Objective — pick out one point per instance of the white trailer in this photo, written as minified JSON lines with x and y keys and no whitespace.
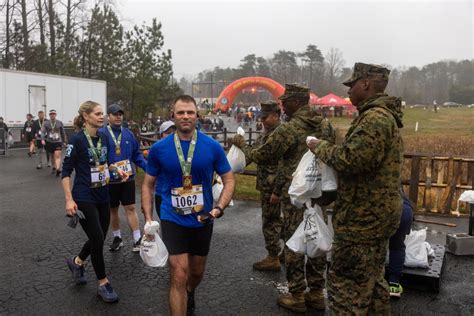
{"x":24,"y":92}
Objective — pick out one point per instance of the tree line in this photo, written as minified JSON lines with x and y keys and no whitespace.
{"x":441,"y":81}
{"x":70,"y":37}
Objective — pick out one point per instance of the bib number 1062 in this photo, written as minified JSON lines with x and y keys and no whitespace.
{"x":185,"y":201}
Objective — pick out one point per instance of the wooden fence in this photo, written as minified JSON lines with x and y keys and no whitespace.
{"x":433,"y":182}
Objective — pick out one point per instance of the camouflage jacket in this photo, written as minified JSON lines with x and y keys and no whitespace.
{"x":287,"y":144}
{"x":266,"y":172}
{"x":368,"y":163}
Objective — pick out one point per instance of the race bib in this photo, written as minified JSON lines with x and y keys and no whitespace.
{"x":100,"y":176}
{"x":126,"y":166}
{"x":54,"y":136}
{"x":28,"y":129}
{"x":186,"y":202}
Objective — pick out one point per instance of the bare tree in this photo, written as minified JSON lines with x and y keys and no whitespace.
{"x":52,"y":33}
{"x":334,"y":64}
{"x":9,"y":6}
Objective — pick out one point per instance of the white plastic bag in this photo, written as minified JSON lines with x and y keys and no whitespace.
{"x":217,"y":190}
{"x":466,"y":196}
{"x":236,"y":156}
{"x":313,"y":237}
{"x":153,"y":252}
{"x":416,"y":254}
{"x":318,"y":235}
{"x":303,"y":186}
{"x":296,"y":242}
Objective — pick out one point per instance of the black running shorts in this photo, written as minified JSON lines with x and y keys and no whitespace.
{"x":192,"y":240}
{"x":52,"y":147}
{"x":123,"y":193}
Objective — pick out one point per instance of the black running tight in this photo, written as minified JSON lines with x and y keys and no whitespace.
{"x":95,"y":226}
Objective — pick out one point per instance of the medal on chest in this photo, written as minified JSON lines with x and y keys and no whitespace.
{"x":118,"y":151}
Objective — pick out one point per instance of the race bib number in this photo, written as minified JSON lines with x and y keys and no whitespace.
{"x":126,"y":166}
{"x":100,"y":176}
{"x":55,"y":136}
{"x":28,"y":129}
{"x":187,"y":201}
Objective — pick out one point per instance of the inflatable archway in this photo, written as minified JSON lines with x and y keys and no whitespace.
{"x":226,"y":98}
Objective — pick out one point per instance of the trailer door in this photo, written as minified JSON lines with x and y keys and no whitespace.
{"x":37,"y":99}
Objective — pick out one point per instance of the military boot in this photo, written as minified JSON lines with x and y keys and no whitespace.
{"x":269,"y":263}
{"x":294,"y":302}
{"x":315,"y":299}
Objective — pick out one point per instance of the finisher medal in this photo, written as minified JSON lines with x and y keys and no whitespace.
{"x":117,"y":151}
{"x":187,"y":183}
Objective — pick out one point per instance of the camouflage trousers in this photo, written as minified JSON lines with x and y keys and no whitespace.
{"x":295,"y":263}
{"x":272,"y":223}
{"x":355,"y":280}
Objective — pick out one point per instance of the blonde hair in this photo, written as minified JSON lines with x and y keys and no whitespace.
{"x":86,"y":107}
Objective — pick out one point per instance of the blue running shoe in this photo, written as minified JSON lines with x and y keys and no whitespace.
{"x":77,"y":271}
{"x":107,"y":293}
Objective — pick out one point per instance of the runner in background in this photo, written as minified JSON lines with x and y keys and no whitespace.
{"x":37,"y":126}
{"x":124,"y":151}
{"x":54,"y":137}
{"x":28,"y":134}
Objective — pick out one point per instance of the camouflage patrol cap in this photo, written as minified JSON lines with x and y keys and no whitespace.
{"x":294,"y":91}
{"x":362,"y":70}
{"x":269,"y":107}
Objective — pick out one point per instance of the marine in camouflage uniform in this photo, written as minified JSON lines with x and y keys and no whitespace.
{"x":272,"y":220}
{"x":368,"y":204}
{"x":287,"y":145}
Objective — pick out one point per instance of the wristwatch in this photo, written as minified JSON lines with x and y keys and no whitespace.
{"x":221,"y":211}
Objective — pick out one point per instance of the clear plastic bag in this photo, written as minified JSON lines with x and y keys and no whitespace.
{"x":217,"y":190}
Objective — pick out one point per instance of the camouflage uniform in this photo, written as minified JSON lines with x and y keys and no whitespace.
{"x":368,"y":205}
{"x":271,"y":216}
{"x":286,"y":145}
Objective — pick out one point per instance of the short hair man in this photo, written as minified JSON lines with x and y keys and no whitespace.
{"x":185,"y":164}
{"x":368,"y":205}
{"x":286,"y":145}
{"x":125,"y":153}
{"x":53,"y":136}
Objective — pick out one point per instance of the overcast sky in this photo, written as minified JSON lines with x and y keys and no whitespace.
{"x":205,"y":34}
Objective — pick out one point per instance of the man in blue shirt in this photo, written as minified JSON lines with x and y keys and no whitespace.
{"x":124,"y":151}
{"x":184,"y":164}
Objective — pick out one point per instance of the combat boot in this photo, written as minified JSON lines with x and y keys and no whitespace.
{"x":315,"y":299}
{"x":269,"y":263}
{"x":294,"y":302}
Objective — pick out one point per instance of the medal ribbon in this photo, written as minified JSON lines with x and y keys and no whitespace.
{"x":95,"y":150}
{"x":185,"y":165}
{"x":118,"y":140}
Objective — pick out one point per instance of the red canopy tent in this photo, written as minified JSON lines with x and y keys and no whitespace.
{"x":333,"y":100}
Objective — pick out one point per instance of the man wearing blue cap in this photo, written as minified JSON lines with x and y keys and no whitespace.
{"x":125,"y":149}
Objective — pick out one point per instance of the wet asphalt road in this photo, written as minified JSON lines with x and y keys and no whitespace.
{"x":35,"y":241}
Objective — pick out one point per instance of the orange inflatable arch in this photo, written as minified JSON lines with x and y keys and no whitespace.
{"x":227,"y":96}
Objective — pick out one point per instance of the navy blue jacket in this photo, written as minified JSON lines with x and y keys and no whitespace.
{"x":79,"y":158}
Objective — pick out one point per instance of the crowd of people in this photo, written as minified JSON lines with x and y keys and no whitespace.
{"x":371,"y":212}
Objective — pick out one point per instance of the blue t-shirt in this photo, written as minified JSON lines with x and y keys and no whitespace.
{"x":163,"y":163}
{"x":129,"y":149}
{"x":79,"y":158}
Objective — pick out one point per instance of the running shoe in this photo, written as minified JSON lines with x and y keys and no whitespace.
{"x":117,"y":243}
{"x":29,"y":154}
{"x":53,"y":171}
{"x":191,"y":304}
{"x":49,"y":164}
{"x":136,"y":245}
{"x":396,"y":290}
{"x":39,"y":166}
{"x":107,"y":293}
{"x":77,"y":271}
{"x":58,"y":173}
